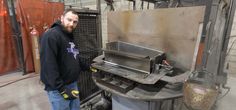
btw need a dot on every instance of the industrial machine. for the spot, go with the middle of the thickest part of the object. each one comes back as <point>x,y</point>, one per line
<point>142,76</point>
<point>138,73</point>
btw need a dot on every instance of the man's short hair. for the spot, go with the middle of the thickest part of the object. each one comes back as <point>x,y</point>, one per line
<point>70,10</point>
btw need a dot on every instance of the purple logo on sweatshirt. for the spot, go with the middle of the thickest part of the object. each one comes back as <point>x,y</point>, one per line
<point>72,49</point>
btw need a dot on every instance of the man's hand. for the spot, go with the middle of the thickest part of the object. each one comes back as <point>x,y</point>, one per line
<point>93,69</point>
<point>70,94</point>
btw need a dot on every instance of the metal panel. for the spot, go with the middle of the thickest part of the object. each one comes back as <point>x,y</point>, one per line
<point>173,31</point>
<point>87,39</point>
<point>133,56</point>
<point>136,76</point>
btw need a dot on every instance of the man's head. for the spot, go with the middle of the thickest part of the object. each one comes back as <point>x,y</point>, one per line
<point>69,20</point>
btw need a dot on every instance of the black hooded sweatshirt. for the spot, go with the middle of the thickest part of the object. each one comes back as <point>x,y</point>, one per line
<point>59,57</point>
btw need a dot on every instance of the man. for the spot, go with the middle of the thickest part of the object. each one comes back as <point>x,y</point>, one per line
<point>60,64</point>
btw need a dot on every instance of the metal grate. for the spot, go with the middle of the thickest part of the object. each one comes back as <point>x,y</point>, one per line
<point>87,39</point>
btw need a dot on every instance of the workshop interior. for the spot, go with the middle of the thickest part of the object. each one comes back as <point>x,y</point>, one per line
<point>143,54</point>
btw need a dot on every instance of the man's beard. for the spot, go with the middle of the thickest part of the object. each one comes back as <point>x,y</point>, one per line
<point>68,30</point>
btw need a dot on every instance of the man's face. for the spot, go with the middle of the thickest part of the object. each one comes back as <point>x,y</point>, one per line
<point>69,21</point>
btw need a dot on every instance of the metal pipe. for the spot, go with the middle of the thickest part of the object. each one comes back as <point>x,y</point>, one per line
<point>208,18</point>
<point>229,22</point>
<point>99,27</point>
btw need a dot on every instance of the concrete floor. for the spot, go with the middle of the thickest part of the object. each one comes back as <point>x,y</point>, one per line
<point>28,94</point>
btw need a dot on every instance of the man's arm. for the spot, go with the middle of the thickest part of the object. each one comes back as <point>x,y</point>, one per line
<point>84,65</point>
<point>49,65</point>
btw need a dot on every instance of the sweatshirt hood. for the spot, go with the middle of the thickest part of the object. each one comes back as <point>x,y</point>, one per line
<point>58,25</point>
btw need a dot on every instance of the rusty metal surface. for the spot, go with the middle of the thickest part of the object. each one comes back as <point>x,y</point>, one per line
<point>39,13</point>
<point>8,55</point>
<point>173,31</point>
